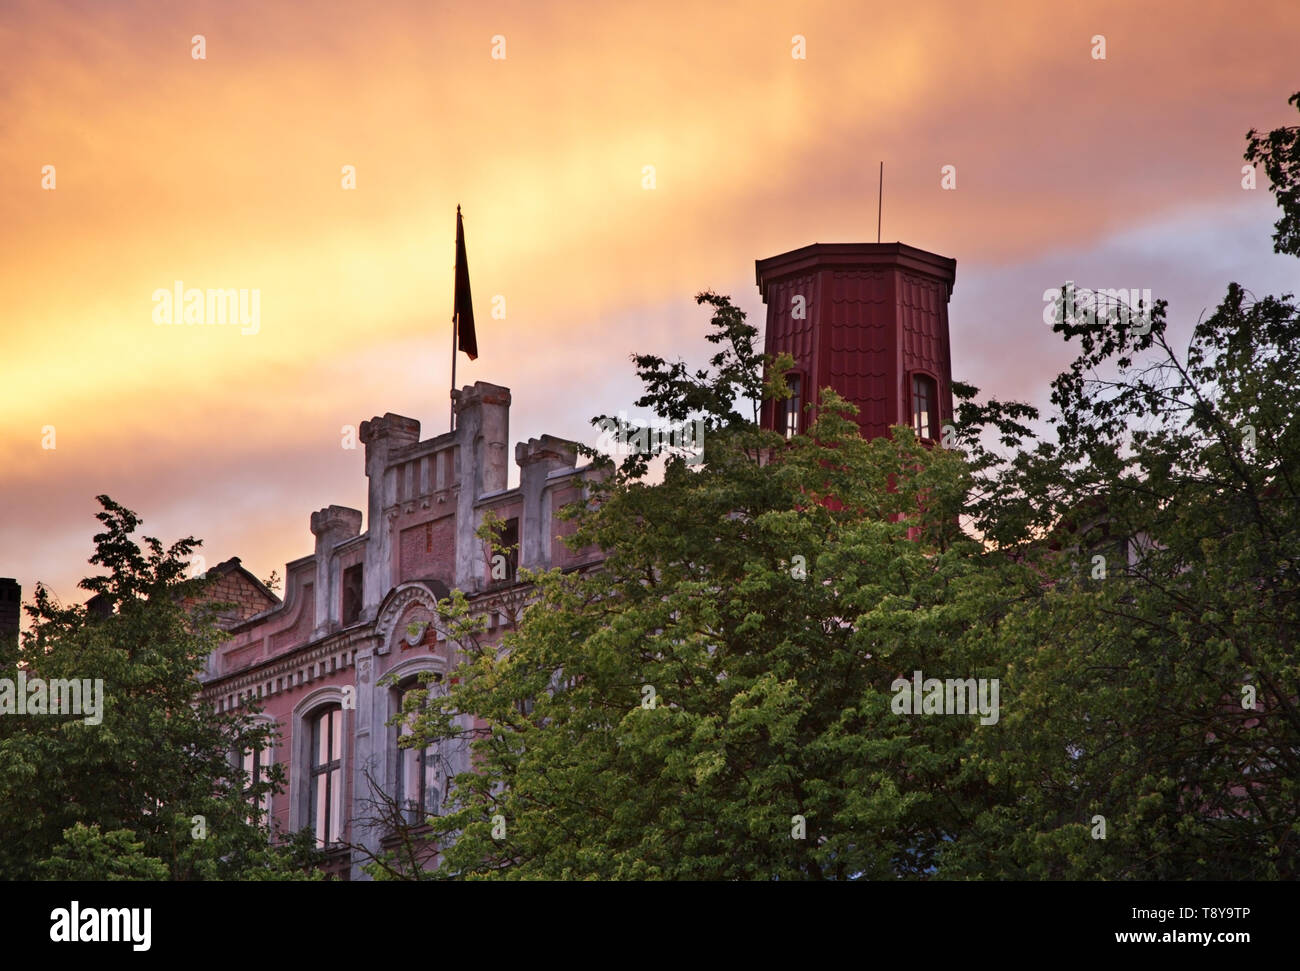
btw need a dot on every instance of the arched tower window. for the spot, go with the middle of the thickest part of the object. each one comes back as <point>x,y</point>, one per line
<point>925,402</point>
<point>793,406</point>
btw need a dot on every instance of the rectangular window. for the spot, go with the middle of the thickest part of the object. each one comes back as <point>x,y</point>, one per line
<point>792,406</point>
<point>353,592</point>
<point>502,555</point>
<point>510,541</point>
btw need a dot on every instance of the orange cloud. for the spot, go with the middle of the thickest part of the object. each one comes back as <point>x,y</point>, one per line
<point>227,173</point>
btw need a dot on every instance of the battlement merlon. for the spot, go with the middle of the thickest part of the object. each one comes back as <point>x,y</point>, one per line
<point>406,475</point>
<point>537,459</point>
<point>482,438</point>
<point>483,433</point>
<point>382,437</point>
<point>331,526</point>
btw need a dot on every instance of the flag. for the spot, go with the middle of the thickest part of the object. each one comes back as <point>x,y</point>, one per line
<point>464,305</point>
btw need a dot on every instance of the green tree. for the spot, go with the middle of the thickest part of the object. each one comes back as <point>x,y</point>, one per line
<point>151,789</point>
<point>1279,153</point>
<point>1154,689</point>
<point>716,700</point>
<point>723,683</point>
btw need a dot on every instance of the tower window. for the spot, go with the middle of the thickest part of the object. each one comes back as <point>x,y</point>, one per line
<point>924,400</point>
<point>792,406</point>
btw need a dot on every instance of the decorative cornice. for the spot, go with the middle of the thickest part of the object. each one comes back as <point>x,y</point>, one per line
<point>854,256</point>
<point>301,666</point>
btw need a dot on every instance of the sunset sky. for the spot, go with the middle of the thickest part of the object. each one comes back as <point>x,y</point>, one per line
<point>226,172</point>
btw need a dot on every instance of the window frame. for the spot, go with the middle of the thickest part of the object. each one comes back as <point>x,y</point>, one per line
<point>790,419</point>
<point>510,541</point>
<point>506,544</point>
<point>352,605</point>
<point>330,772</point>
<point>930,384</point>
<point>414,812</point>
<point>262,759</point>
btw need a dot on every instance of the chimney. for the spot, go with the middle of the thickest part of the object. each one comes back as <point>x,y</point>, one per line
<point>869,320</point>
<point>537,459</point>
<point>11,596</point>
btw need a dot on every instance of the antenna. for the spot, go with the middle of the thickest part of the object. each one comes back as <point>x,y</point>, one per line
<point>880,199</point>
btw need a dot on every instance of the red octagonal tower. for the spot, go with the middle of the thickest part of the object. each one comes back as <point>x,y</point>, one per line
<point>869,320</point>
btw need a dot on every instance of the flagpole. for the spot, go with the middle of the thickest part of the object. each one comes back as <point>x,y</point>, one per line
<point>462,307</point>
<point>880,199</point>
<point>455,328</point>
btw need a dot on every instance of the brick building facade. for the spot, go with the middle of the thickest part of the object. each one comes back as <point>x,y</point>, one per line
<point>315,660</point>
<point>870,320</point>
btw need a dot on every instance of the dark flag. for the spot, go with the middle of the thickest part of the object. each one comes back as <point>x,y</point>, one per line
<point>464,305</point>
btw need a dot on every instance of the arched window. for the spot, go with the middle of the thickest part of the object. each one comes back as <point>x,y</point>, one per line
<point>925,401</point>
<point>252,766</point>
<point>256,763</point>
<point>420,776</point>
<point>326,783</point>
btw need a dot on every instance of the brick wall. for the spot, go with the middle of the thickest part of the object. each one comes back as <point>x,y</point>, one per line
<point>428,550</point>
<point>561,556</point>
<point>235,588</point>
